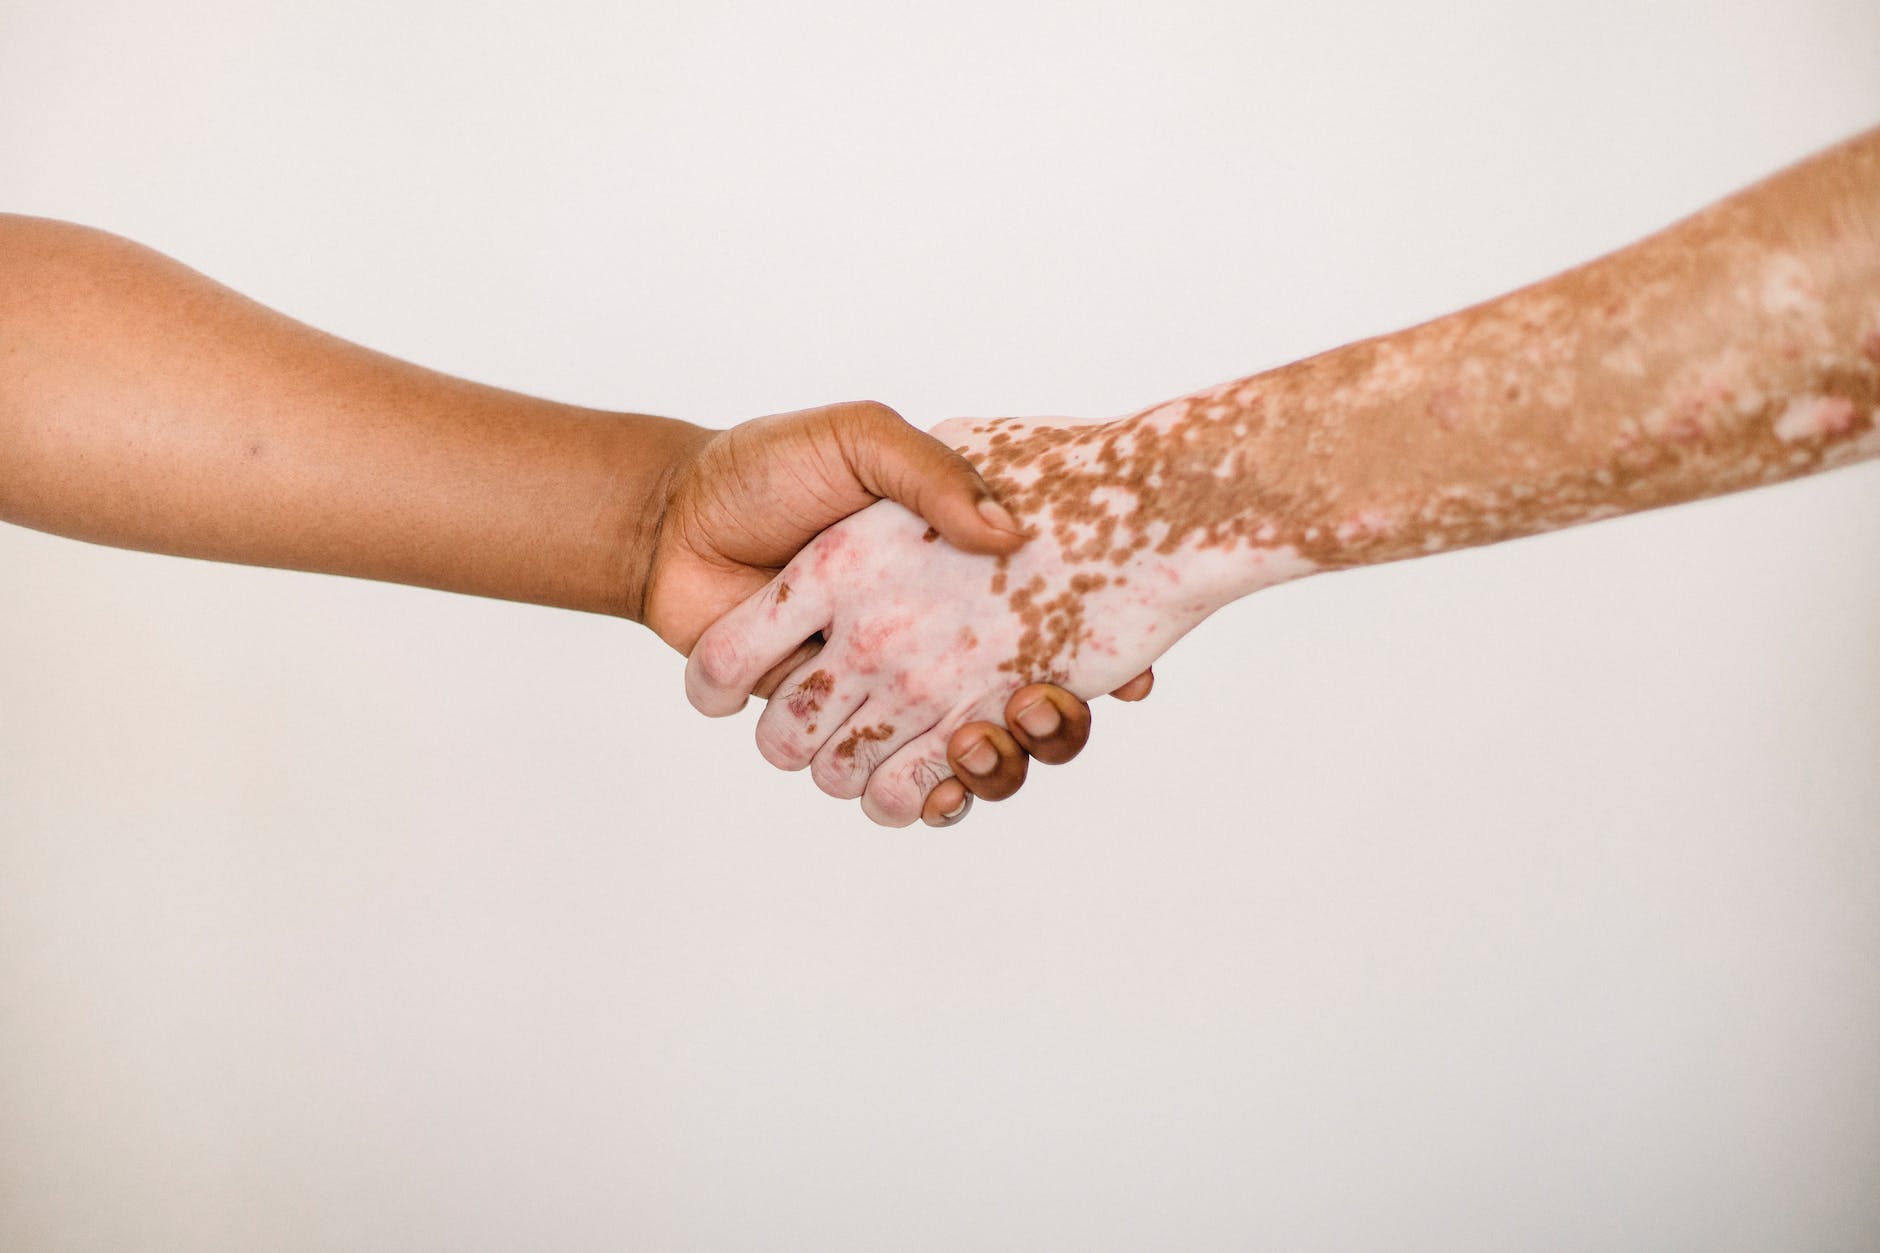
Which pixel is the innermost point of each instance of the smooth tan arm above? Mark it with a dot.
(143, 405)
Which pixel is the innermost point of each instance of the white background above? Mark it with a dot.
(1523, 899)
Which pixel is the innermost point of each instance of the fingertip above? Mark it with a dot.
(985, 757)
(999, 518)
(748, 643)
(974, 530)
(938, 483)
(884, 818)
(1050, 723)
(947, 804)
(1137, 688)
(708, 697)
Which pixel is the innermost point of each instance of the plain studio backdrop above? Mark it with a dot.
(1521, 899)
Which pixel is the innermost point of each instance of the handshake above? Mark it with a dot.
(1010, 570)
(925, 611)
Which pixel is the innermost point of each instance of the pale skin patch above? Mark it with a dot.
(1815, 418)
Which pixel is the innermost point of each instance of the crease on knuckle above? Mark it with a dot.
(779, 744)
(846, 766)
(834, 777)
(720, 659)
(903, 793)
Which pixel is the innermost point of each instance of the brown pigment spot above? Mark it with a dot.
(809, 694)
(783, 592)
(881, 731)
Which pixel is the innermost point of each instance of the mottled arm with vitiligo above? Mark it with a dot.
(1737, 348)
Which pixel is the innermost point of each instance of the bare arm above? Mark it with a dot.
(1736, 348)
(1739, 347)
(145, 406)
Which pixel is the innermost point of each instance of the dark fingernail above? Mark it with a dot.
(1039, 719)
(981, 758)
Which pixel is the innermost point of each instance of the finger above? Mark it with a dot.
(842, 765)
(894, 460)
(987, 760)
(1138, 687)
(901, 786)
(736, 652)
(811, 704)
(1048, 722)
(946, 804)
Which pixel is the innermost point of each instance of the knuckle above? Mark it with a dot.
(779, 744)
(835, 776)
(871, 411)
(898, 796)
(858, 423)
(886, 813)
(720, 658)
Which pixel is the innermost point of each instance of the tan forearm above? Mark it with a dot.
(144, 406)
(1739, 347)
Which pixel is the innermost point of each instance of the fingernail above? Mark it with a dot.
(981, 758)
(1040, 718)
(998, 515)
(952, 815)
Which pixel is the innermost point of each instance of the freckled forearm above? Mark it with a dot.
(143, 406)
(1737, 348)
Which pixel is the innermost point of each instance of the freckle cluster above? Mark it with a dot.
(875, 734)
(1071, 482)
(810, 693)
(1051, 628)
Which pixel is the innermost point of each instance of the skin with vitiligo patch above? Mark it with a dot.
(1738, 348)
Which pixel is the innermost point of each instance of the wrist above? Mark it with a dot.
(651, 461)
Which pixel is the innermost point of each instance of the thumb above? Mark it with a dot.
(893, 459)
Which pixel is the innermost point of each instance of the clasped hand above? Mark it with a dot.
(827, 559)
